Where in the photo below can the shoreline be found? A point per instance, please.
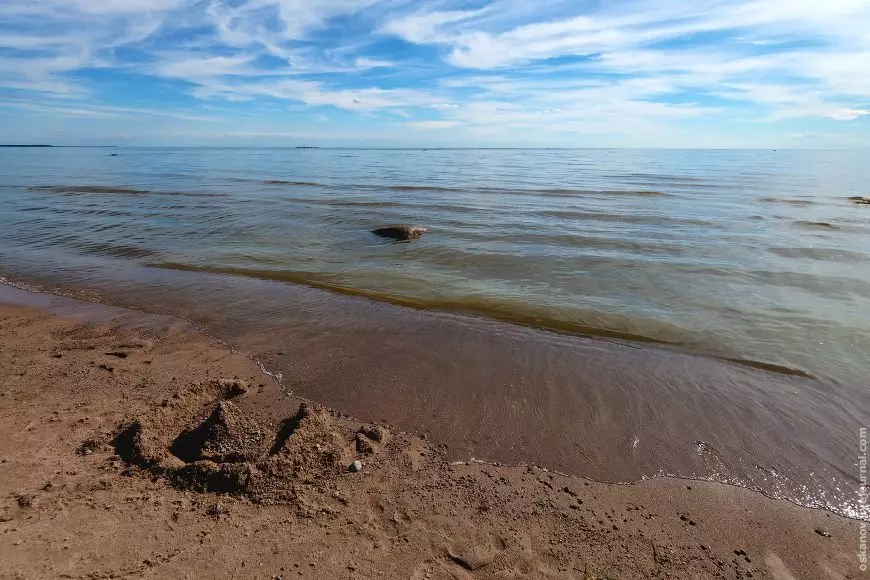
(493, 412)
(76, 308)
(73, 507)
(529, 320)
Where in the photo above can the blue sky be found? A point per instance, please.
(561, 73)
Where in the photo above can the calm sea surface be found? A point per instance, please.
(632, 312)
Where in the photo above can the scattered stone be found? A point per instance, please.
(373, 432)
(217, 510)
(400, 232)
(472, 557)
(363, 445)
(117, 354)
(25, 500)
(356, 466)
(90, 445)
(234, 387)
(823, 533)
(106, 367)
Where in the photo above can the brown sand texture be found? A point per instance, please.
(146, 450)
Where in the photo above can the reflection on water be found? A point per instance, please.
(759, 257)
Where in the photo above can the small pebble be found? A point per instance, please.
(356, 466)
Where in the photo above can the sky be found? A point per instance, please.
(427, 73)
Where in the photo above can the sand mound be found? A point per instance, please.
(202, 441)
(226, 436)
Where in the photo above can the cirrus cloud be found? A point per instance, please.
(629, 72)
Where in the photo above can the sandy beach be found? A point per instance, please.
(132, 446)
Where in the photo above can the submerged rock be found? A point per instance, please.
(400, 232)
(861, 200)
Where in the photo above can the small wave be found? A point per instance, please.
(837, 286)
(605, 192)
(419, 188)
(487, 308)
(365, 203)
(769, 367)
(799, 202)
(821, 254)
(676, 179)
(808, 224)
(369, 186)
(556, 192)
(106, 190)
(85, 189)
(293, 183)
(115, 250)
(337, 202)
(613, 217)
(597, 325)
(191, 193)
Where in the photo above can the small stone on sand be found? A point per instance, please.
(356, 466)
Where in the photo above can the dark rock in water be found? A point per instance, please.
(401, 232)
(113, 155)
(861, 200)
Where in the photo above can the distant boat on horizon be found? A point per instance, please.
(306, 147)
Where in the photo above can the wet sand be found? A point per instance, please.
(606, 410)
(78, 501)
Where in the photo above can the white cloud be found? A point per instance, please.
(194, 67)
(428, 125)
(831, 57)
(551, 66)
(422, 28)
(367, 63)
(105, 112)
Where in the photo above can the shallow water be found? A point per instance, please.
(756, 261)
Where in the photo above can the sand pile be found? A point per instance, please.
(226, 436)
(202, 439)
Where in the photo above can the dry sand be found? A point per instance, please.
(152, 451)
